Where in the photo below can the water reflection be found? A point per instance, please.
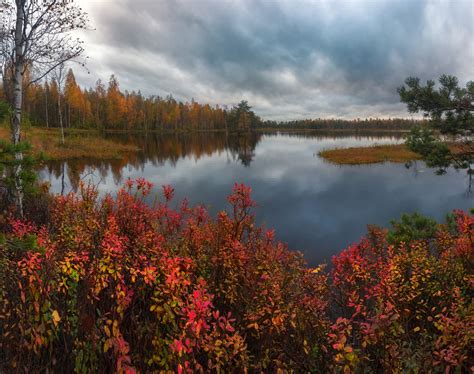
(315, 206)
(157, 150)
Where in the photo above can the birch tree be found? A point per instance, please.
(59, 76)
(38, 36)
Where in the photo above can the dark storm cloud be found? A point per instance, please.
(290, 59)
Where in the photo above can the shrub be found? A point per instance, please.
(116, 285)
(406, 307)
(113, 284)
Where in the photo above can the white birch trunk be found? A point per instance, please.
(46, 107)
(60, 116)
(17, 101)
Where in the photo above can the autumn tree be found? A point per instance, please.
(74, 98)
(447, 140)
(115, 103)
(63, 102)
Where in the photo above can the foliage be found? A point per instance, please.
(406, 307)
(450, 111)
(107, 107)
(410, 228)
(116, 284)
(449, 107)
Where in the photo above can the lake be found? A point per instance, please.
(316, 207)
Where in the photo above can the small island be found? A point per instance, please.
(369, 155)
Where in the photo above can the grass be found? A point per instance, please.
(369, 155)
(78, 144)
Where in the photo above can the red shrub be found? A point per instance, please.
(113, 284)
(404, 306)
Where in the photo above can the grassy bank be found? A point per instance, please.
(78, 144)
(369, 155)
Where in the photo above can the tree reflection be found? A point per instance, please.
(158, 149)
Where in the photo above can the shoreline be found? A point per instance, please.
(90, 143)
(233, 132)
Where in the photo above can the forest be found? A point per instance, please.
(372, 124)
(106, 107)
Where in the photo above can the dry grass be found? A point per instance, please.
(369, 155)
(78, 144)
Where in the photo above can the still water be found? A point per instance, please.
(316, 207)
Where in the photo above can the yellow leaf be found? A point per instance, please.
(416, 329)
(253, 325)
(56, 318)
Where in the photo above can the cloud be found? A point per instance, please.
(289, 59)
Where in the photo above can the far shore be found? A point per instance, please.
(260, 129)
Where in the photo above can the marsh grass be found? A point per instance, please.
(376, 154)
(78, 144)
(369, 155)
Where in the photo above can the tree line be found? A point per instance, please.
(107, 107)
(345, 124)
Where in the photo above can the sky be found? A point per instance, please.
(290, 59)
